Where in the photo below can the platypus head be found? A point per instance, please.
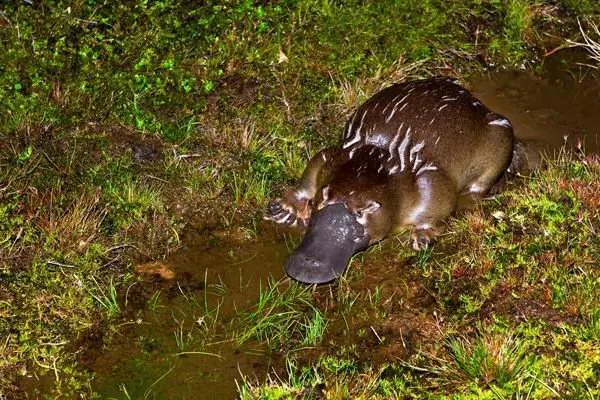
(333, 236)
(349, 217)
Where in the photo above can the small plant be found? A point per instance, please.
(424, 256)
(106, 296)
(375, 297)
(183, 337)
(153, 301)
(591, 329)
(251, 189)
(205, 318)
(282, 316)
(490, 359)
(499, 362)
(26, 154)
(314, 328)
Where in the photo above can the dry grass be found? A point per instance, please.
(75, 226)
(590, 44)
(352, 93)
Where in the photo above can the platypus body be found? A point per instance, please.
(406, 156)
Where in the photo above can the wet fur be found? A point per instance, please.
(406, 155)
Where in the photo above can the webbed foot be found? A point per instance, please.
(292, 210)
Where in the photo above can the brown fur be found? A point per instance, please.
(406, 155)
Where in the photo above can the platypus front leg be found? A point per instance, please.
(437, 200)
(294, 208)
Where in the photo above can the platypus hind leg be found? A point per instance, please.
(436, 201)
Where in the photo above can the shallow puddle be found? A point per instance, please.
(172, 348)
(566, 103)
(176, 346)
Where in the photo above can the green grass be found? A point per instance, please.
(283, 316)
(121, 122)
(542, 249)
(493, 364)
(106, 297)
(550, 224)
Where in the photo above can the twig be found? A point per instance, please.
(56, 263)
(376, 334)
(199, 352)
(183, 156)
(455, 72)
(121, 246)
(51, 161)
(111, 261)
(86, 21)
(589, 44)
(157, 178)
(554, 50)
(127, 293)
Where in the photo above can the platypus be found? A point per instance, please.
(405, 157)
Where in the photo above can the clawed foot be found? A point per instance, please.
(281, 214)
(291, 212)
(421, 239)
(498, 186)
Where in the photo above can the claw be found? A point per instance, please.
(420, 242)
(290, 219)
(275, 211)
(284, 213)
(280, 216)
(274, 206)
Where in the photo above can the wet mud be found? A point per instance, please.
(168, 346)
(392, 313)
(179, 345)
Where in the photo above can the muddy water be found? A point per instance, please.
(145, 361)
(565, 103)
(172, 348)
(168, 349)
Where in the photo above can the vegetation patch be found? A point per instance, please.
(516, 306)
(283, 317)
(131, 129)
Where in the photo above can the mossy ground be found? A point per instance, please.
(515, 312)
(124, 121)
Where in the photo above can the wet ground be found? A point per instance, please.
(228, 275)
(564, 103)
(181, 345)
(176, 341)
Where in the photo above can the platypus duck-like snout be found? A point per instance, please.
(333, 236)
